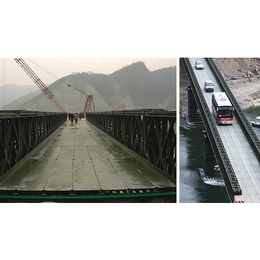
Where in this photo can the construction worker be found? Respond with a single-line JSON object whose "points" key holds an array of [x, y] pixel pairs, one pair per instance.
{"points": [[76, 117], [71, 117]]}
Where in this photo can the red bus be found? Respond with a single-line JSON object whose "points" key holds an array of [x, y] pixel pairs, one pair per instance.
{"points": [[222, 108]]}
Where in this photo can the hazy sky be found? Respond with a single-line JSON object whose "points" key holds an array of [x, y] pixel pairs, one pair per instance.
{"points": [[49, 69]]}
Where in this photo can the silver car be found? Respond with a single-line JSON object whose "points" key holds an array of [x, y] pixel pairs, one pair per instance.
{"points": [[199, 65], [209, 86]]}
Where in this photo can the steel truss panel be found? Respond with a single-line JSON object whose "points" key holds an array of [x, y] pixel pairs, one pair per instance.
{"points": [[107, 170], [229, 176], [150, 133], [22, 131], [245, 124]]}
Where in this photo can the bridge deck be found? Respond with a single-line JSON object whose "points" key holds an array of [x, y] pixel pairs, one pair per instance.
{"points": [[240, 153], [80, 157]]}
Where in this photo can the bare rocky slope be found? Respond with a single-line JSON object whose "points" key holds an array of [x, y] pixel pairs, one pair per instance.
{"points": [[242, 76]]}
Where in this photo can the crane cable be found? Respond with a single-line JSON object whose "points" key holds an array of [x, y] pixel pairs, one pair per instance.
{"points": [[89, 100], [53, 75], [4, 82], [43, 68]]}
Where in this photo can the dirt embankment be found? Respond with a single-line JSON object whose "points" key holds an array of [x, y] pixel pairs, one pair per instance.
{"points": [[242, 76]]}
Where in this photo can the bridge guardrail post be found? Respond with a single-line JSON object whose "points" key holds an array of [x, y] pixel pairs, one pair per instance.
{"points": [[21, 131], [246, 126], [232, 185], [149, 133]]}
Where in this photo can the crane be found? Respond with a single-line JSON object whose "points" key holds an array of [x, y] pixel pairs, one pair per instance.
{"points": [[89, 106], [40, 84]]}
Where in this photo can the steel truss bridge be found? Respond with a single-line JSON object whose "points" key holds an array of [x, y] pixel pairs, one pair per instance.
{"points": [[236, 147], [111, 156]]}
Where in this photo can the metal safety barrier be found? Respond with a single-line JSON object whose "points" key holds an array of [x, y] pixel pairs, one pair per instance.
{"points": [[246, 126], [229, 176], [151, 133], [22, 131]]}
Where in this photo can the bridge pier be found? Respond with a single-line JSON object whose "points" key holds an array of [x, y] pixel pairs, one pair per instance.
{"points": [[209, 160], [193, 111]]}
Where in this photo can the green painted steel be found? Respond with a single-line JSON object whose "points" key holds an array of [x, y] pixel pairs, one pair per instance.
{"points": [[104, 196], [79, 161], [231, 182], [246, 125], [151, 133], [22, 131]]}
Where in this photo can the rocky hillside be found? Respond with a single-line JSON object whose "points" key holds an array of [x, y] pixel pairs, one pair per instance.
{"points": [[241, 70], [133, 85], [241, 74]]}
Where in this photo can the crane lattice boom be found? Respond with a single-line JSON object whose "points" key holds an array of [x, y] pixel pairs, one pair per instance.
{"points": [[89, 105], [39, 83]]}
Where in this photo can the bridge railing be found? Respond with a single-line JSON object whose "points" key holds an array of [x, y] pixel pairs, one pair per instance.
{"points": [[227, 170], [151, 133], [22, 131], [246, 126]]}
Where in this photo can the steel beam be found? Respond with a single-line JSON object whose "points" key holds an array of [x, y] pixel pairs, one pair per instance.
{"points": [[150, 133], [229, 176], [243, 121], [209, 161], [193, 111], [22, 131]]}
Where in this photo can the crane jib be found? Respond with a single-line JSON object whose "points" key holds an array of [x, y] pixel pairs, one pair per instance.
{"points": [[47, 92]]}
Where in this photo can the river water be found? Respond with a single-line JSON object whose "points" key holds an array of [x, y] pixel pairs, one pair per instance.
{"points": [[192, 188]]}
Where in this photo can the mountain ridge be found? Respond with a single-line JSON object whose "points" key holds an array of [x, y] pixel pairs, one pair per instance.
{"points": [[133, 85]]}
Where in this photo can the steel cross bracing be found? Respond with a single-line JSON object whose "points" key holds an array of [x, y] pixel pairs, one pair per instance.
{"points": [[22, 131], [39, 83], [82, 163], [229, 176], [245, 124], [89, 106], [240, 143], [149, 133]]}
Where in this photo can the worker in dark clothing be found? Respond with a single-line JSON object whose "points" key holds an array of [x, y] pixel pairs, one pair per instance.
{"points": [[71, 117], [76, 117]]}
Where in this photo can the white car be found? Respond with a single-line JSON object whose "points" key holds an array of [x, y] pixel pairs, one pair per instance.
{"points": [[199, 65], [209, 86]]}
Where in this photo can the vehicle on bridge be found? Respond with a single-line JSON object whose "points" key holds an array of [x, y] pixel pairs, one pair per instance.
{"points": [[199, 65], [209, 86], [222, 108]]}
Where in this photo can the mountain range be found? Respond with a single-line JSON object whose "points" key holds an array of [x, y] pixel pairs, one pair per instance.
{"points": [[133, 85], [11, 92]]}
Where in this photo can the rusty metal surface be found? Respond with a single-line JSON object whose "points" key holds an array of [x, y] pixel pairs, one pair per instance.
{"points": [[80, 157]]}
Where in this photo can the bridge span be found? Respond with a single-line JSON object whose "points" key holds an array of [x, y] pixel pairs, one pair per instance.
{"points": [[236, 147], [79, 162]]}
